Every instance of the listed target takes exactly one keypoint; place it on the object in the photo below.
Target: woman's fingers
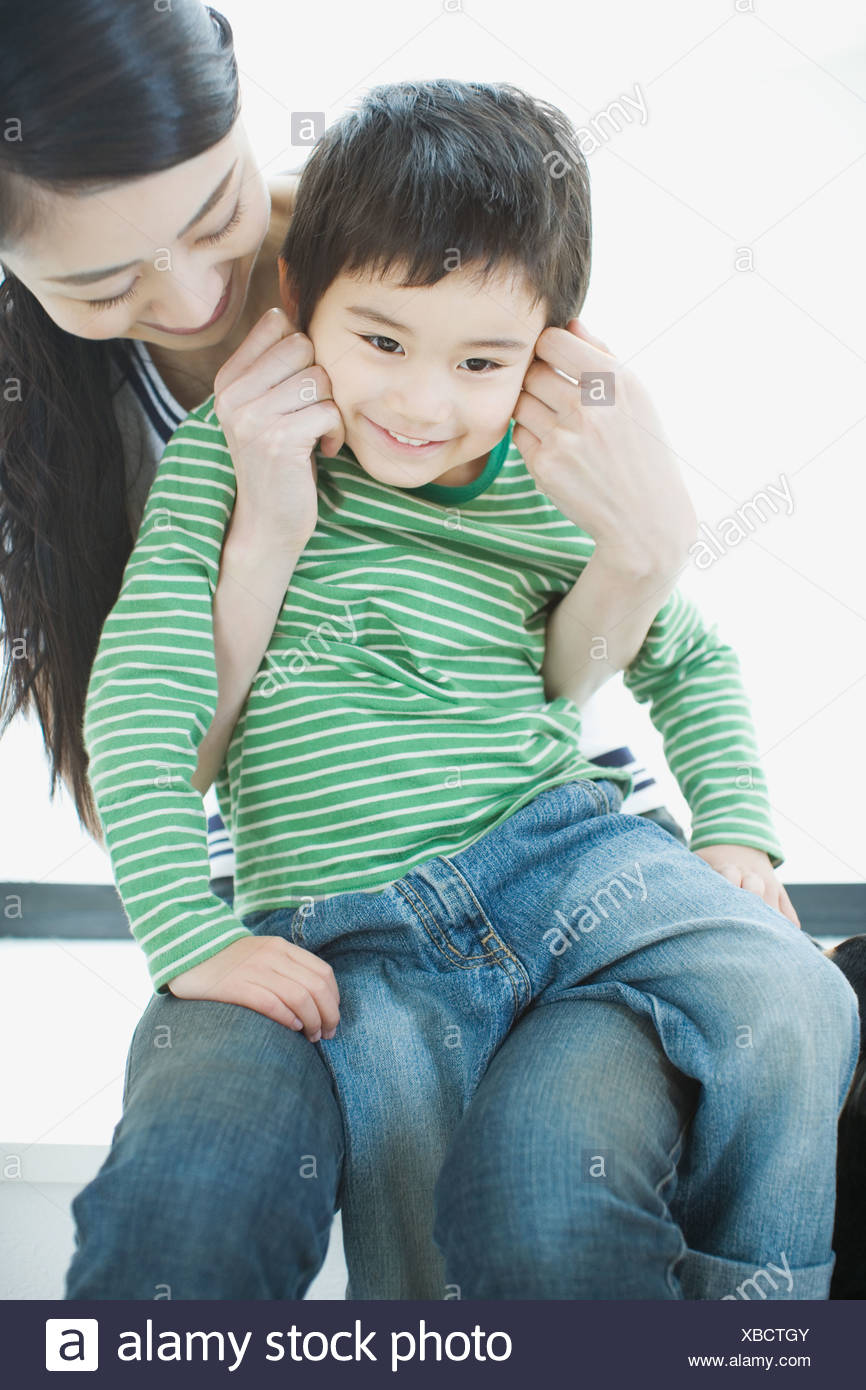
(306, 387)
(278, 362)
(560, 396)
(571, 353)
(533, 414)
(575, 326)
(271, 328)
(332, 442)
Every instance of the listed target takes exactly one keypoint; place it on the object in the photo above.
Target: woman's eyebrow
(88, 277)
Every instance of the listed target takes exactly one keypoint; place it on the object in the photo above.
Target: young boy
(406, 806)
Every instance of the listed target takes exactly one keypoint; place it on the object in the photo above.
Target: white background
(755, 137)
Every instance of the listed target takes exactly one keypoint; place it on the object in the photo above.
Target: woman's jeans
(573, 1061)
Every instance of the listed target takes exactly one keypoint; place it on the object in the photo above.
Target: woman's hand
(274, 406)
(607, 467)
(271, 976)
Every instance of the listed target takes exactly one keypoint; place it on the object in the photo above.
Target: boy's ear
(288, 292)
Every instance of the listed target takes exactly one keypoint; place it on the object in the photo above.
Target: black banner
(490, 1344)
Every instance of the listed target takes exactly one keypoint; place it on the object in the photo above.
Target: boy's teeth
(404, 438)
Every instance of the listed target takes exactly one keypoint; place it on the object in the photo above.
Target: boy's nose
(418, 410)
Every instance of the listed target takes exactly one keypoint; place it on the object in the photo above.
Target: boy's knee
(825, 992)
(809, 1012)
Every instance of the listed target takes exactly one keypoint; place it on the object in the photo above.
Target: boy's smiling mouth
(402, 443)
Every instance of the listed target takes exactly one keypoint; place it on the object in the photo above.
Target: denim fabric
(573, 1061)
(662, 816)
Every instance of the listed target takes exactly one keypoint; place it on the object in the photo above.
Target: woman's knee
(225, 1165)
(231, 1076)
(220, 1103)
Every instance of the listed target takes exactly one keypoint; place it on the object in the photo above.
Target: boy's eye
(477, 365)
(378, 340)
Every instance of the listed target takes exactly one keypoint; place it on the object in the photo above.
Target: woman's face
(154, 258)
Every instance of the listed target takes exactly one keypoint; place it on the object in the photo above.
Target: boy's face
(443, 364)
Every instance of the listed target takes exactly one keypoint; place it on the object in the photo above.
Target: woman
(114, 323)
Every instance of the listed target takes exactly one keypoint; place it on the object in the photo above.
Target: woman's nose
(185, 299)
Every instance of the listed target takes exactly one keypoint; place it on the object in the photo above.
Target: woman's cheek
(87, 323)
(257, 221)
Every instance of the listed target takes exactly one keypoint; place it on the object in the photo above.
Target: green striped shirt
(399, 711)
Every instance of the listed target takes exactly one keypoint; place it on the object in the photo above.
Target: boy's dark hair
(438, 175)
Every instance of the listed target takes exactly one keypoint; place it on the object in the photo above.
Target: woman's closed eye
(224, 231)
(211, 240)
(113, 302)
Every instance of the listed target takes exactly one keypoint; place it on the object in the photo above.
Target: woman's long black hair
(91, 93)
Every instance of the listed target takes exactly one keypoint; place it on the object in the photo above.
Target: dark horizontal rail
(93, 911)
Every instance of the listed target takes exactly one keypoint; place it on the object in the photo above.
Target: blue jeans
(573, 1061)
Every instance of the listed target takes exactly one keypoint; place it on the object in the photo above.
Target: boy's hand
(272, 977)
(274, 406)
(607, 467)
(751, 869)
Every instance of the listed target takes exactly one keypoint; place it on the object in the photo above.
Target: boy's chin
(390, 471)
(393, 477)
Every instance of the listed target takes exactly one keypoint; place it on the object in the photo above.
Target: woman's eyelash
(229, 227)
(373, 337)
(205, 240)
(111, 303)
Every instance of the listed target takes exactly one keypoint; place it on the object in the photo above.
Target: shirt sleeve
(699, 705)
(151, 698)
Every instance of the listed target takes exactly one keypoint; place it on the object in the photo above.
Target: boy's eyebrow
(364, 312)
(88, 277)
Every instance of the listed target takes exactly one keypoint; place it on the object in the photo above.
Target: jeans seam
(126, 1072)
(487, 957)
(297, 938)
(675, 1259)
(602, 798)
(431, 927)
(491, 932)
